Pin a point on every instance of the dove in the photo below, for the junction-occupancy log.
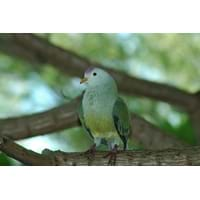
(103, 113)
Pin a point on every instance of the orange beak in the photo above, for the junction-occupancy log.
(83, 80)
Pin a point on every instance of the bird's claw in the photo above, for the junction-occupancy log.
(112, 156)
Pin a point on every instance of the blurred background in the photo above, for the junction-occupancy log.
(166, 58)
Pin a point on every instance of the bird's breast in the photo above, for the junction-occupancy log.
(97, 111)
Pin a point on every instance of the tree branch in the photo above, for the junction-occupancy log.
(65, 116)
(21, 154)
(55, 119)
(33, 48)
(187, 156)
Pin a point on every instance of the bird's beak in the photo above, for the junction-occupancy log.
(83, 80)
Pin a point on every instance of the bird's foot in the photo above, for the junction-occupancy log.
(112, 156)
(90, 153)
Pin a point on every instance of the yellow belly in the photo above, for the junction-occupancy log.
(101, 126)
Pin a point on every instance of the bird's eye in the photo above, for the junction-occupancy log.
(94, 74)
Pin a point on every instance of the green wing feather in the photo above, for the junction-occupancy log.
(81, 118)
(122, 121)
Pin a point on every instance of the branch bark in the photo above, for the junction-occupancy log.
(21, 154)
(187, 156)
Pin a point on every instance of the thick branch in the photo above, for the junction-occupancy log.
(55, 119)
(187, 156)
(65, 116)
(21, 154)
(33, 48)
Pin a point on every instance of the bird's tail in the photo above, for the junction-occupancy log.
(125, 144)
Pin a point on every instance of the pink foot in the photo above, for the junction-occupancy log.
(112, 156)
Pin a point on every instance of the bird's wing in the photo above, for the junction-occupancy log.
(81, 118)
(121, 119)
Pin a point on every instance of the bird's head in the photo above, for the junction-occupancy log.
(96, 77)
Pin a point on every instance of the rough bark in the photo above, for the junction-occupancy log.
(65, 116)
(55, 119)
(187, 156)
(21, 154)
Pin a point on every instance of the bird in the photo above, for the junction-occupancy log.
(103, 113)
